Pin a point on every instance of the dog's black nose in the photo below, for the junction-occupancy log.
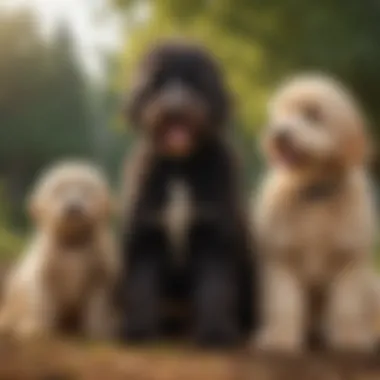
(74, 209)
(282, 136)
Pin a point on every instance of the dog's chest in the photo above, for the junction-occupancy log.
(177, 215)
(71, 276)
(315, 240)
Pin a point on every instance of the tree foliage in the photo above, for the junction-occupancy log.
(45, 111)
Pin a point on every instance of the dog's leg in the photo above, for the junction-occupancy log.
(37, 319)
(215, 292)
(147, 251)
(284, 312)
(28, 310)
(349, 322)
(99, 317)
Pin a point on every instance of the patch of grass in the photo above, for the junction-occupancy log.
(11, 244)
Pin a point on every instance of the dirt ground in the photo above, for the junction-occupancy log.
(170, 361)
(68, 361)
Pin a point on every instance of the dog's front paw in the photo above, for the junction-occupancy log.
(274, 342)
(140, 330)
(353, 341)
(214, 336)
(137, 334)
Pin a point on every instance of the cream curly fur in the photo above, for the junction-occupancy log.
(316, 253)
(71, 264)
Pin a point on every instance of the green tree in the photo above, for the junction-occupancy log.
(44, 103)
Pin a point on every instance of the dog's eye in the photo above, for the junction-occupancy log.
(189, 76)
(59, 190)
(87, 190)
(159, 79)
(312, 113)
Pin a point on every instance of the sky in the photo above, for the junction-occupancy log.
(95, 26)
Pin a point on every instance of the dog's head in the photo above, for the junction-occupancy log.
(178, 97)
(70, 197)
(314, 121)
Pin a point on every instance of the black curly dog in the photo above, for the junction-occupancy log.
(180, 108)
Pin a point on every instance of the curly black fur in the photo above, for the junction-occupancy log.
(188, 64)
(216, 279)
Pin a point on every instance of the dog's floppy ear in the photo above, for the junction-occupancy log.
(358, 149)
(107, 206)
(264, 145)
(35, 207)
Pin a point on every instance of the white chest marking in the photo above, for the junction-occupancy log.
(178, 216)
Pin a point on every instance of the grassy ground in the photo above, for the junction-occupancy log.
(11, 244)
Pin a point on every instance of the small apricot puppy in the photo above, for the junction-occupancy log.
(315, 220)
(65, 279)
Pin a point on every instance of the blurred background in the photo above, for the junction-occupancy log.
(65, 65)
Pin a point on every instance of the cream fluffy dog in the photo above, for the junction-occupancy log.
(65, 279)
(315, 220)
